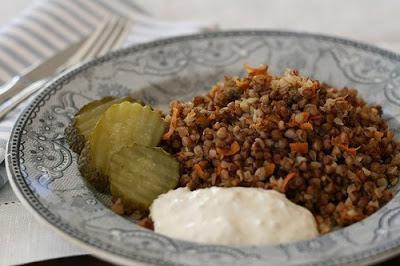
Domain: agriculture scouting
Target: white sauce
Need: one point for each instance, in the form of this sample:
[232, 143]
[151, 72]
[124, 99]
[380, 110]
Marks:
[231, 216]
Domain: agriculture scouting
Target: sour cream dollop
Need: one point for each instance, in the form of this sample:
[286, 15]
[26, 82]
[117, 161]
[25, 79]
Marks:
[231, 216]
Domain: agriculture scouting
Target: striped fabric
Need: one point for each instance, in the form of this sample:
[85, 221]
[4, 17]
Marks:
[50, 26]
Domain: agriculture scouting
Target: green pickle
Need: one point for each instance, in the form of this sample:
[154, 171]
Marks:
[121, 125]
[85, 120]
[138, 174]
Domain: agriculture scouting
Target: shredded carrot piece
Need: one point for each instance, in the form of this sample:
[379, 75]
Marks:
[235, 148]
[255, 77]
[360, 175]
[118, 207]
[269, 169]
[344, 147]
[335, 141]
[172, 124]
[315, 117]
[306, 115]
[146, 223]
[315, 86]
[299, 147]
[244, 84]
[351, 151]
[261, 70]
[214, 90]
[306, 126]
[201, 120]
[298, 119]
[287, 179]
[378, 134]
[302, 117]
[219, 169]
[198, 170]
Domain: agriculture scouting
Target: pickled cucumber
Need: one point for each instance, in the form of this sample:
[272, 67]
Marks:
[85, 120]
[121, 125]
[138, 174]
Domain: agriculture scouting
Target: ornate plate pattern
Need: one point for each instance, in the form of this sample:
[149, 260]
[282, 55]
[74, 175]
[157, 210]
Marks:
[44, 174]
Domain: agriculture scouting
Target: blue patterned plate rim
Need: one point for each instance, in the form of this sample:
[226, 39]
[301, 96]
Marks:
[26, 196]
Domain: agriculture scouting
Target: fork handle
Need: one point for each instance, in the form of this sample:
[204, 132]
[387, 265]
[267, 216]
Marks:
[14, 86]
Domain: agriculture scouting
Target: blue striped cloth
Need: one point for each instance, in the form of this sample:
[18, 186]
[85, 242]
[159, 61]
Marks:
[50, 26]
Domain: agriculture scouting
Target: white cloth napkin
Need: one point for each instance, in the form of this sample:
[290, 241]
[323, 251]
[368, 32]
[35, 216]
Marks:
[25, 240]
[42, 30]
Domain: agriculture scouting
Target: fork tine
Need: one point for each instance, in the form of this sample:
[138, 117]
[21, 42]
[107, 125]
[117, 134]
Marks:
[123, 36]
[89, 44]
[109, 35]
[115, 36]
[101, 40]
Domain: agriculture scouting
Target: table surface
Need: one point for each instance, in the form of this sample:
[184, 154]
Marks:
[303, 15]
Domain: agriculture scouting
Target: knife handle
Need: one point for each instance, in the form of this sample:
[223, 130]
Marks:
[13, 87]
[20, 97]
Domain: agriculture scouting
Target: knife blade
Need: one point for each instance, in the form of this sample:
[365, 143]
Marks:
[37, 72]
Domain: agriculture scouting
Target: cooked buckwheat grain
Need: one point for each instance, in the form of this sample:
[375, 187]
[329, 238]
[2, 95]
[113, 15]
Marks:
[324, 147]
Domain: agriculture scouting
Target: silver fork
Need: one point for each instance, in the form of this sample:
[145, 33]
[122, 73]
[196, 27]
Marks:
[108, 36]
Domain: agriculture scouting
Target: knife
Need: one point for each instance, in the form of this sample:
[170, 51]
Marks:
[37, 72]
